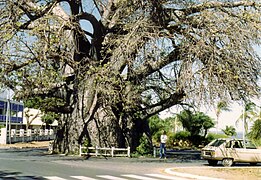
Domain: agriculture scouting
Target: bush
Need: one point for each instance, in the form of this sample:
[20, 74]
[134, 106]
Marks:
[182, 135]
[145, 146]
[181, 139]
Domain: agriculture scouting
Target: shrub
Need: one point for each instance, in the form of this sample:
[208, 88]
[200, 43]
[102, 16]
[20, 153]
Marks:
[145, 146]
[182, 135]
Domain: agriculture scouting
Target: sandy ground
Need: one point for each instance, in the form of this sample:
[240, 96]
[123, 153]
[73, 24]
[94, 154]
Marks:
[33, 144]
[231, 173]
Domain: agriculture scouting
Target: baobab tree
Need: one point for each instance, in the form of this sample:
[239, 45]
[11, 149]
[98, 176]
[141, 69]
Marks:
[106, 66]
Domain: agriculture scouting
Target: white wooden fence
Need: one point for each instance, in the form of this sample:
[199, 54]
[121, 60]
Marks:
[25, 136]
[103, 151]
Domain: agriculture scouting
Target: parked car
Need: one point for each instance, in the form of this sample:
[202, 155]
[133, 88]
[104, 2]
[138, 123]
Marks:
[231, 151]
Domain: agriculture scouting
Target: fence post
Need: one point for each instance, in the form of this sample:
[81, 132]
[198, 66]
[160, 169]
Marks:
[3, 136]
[128, 151]
[21, 134]
[154, 151]
[80, 150]
[96, 151]
[112, 151]
[13, 135]
[29, 135]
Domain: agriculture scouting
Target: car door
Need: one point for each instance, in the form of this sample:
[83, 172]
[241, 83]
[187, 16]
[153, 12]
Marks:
[235, 151]
[246, 153]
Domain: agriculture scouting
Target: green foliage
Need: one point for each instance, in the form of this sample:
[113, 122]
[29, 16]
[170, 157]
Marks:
[195, 123]
[229, 131]
[157, 125]
[212, 136]
[250, 114]
[255, 133]
[144, 147]
[182, 135]
[222, 106]
[43, 104]
[49, 117]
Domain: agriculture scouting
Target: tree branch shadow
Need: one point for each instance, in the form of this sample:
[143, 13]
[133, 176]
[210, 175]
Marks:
[5, 175]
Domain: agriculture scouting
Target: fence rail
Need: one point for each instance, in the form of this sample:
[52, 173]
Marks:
[22, 135]
[104, 151]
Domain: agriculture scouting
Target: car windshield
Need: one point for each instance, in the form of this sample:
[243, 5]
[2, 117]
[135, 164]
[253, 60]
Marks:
[217, 142]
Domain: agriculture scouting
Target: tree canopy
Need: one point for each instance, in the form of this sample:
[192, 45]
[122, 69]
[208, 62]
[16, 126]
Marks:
[195, 123]
[229, 131]
[111, 64]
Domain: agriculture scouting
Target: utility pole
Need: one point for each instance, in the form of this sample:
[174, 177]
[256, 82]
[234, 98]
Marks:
[244, 119]
[7, 117]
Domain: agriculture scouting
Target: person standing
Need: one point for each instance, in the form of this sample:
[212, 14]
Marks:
[163, 140]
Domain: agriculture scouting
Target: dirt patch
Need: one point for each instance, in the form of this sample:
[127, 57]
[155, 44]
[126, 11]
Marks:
[33, 144]
[231, 173]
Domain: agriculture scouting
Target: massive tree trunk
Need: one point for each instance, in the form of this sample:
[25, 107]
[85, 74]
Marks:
[98, 122]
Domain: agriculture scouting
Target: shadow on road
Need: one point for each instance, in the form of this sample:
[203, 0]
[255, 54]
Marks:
[16, 175]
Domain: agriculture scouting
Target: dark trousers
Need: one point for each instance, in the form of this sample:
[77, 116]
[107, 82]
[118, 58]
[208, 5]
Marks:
[162, 150]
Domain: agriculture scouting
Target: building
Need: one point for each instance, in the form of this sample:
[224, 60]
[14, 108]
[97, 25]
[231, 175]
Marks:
[11, 113]
[20, 124]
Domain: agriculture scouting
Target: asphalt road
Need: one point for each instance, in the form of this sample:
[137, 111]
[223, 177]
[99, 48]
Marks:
[38, 164]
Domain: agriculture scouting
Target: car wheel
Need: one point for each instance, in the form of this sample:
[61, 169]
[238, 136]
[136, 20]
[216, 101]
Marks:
[227, 162]
[212, 162]
[253, 164]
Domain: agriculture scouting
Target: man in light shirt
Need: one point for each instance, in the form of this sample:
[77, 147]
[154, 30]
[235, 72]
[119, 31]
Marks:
[163, 140]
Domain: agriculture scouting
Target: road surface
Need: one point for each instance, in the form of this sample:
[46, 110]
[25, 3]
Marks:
[38, 164]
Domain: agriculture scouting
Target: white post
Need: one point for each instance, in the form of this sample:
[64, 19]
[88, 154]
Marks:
[7, 118]
[46, 132]
[128, 153]
[96, 151]
[244, 124]
[41, 132]
[22, 134]
[29, 134]
[51, 132]
[112, 151]
[3, 136]
[13, 132]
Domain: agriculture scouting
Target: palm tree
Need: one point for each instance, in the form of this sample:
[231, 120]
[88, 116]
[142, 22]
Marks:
[255, 132]
[229, 131]
[248, 115]
[221, 106]
[195, 123]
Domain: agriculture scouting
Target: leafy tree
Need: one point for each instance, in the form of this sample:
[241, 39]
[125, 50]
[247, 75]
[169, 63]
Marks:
[249, 114]
[49, 117]
[255, 132]
[108, 65]
[195, 123]
[157, 125]
[229, 131]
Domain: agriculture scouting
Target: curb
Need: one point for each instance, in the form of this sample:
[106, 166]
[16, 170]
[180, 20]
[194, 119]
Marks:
[191, 176]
